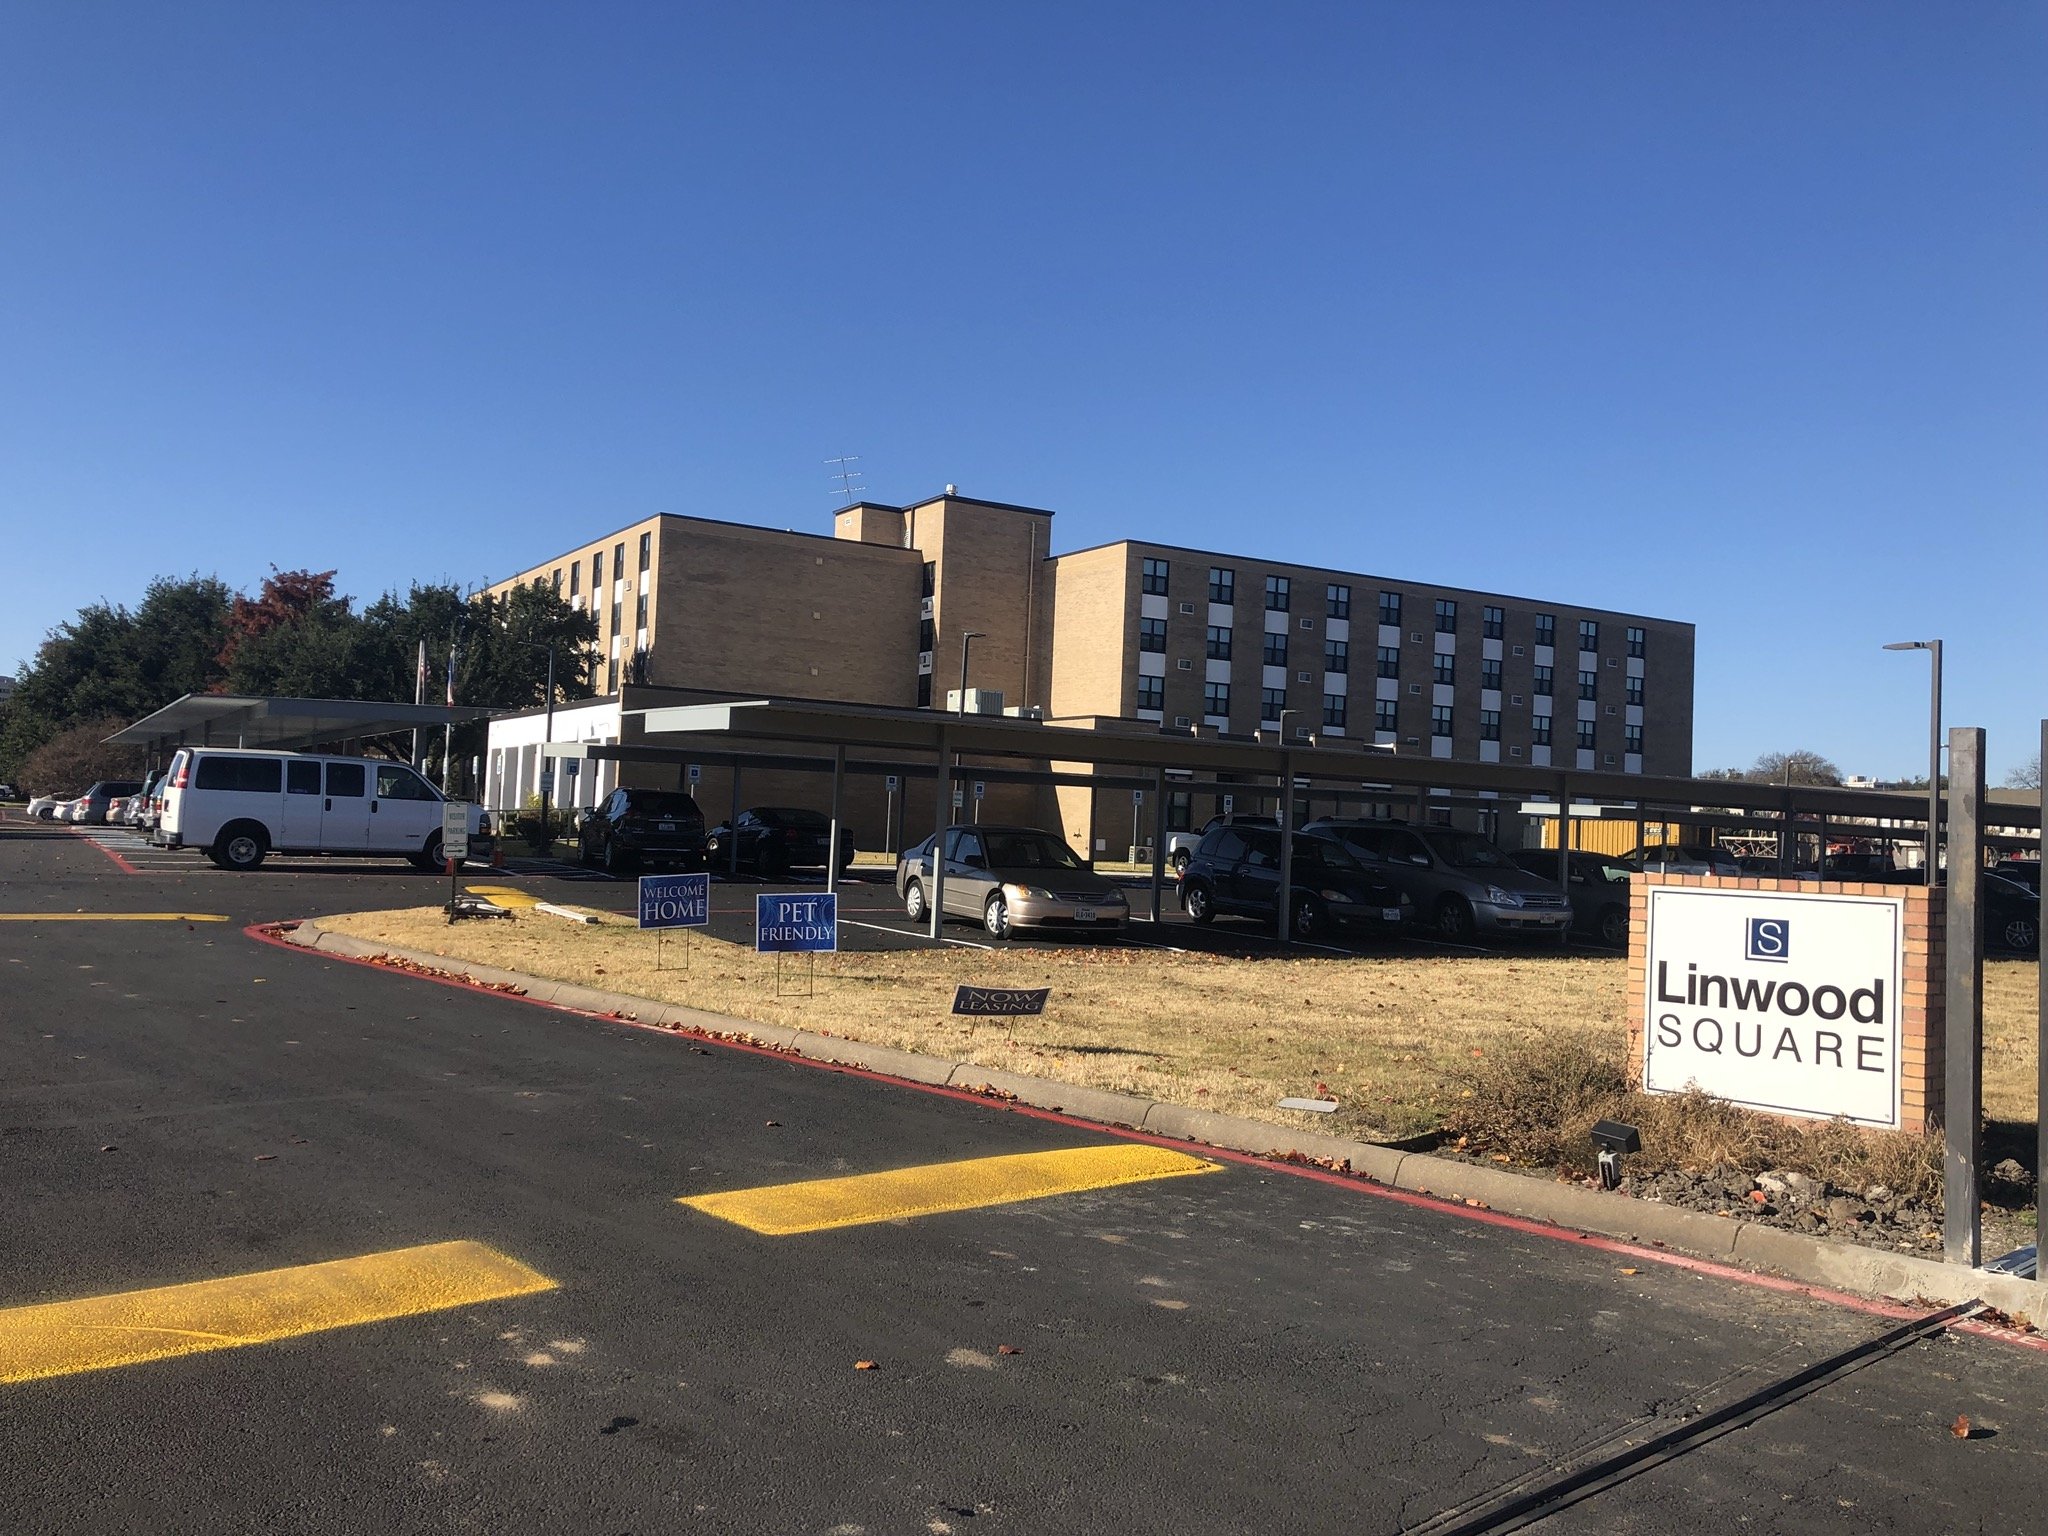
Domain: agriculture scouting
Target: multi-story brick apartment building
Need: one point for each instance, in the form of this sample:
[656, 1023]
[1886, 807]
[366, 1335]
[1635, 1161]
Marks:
[1179, 638]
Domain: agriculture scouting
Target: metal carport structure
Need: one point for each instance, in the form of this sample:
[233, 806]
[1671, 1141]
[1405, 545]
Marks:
[921, 741]
[282, 723]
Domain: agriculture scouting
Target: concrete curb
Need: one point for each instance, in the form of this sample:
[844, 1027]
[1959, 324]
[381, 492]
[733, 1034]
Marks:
[1810, 1260]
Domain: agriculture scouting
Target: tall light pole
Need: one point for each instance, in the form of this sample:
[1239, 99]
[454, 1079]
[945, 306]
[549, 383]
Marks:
[1933, 648]
[547, 780]
[967, 639]
[1286, 912]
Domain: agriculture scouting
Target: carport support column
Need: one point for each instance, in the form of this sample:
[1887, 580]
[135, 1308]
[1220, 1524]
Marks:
[732, 825]
[2041, 1120]
[838, 805]
[1963, 1088]
[1564, 836]
[1285, 915]
[942, 804]
[1158, 838]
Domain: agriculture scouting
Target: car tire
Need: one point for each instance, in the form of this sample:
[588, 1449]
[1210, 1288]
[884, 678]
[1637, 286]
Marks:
[1614, 926]
[1310, 921]
[585, 854]
[1454, 920]
[2021, 935]
[1180, 861]
[914, 906]
[1200, 902]
[614, 861]
[995, 917]
[241, 847]
[429, 856]
[772, 864]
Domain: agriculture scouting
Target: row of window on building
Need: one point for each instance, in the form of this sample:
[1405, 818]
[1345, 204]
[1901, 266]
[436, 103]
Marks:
[1386, 714]
[1155, 577]
[575, 569]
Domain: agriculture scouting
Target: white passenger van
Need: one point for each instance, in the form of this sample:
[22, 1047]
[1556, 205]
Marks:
[239, 806]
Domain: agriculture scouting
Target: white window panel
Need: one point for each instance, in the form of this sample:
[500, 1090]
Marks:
[1219, 671]
[1272, 677]
[1386, 738]
[1445, 644]
[1589, 661]
[1390, 634]
[1539, 757]
[1219, 722]
[1586, 757]
[1151, 664]
[1489, 698]
[1490, 649]
[1540, 705]
[1386, 688]
[1442, 693]
[1439, 746]
[640, 639]
[1278, 623]
[1151, 714]
[1152, 605]
[1631, 762]
[1222, 615]
[615, 647]
[1588, 710]
[1489, 751]
[1543, 655]
[1337, 629]
[1330, 730]
[1632, 714]
[1635, 666]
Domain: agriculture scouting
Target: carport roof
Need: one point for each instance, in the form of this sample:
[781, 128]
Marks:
[919, 731]
[236, 720]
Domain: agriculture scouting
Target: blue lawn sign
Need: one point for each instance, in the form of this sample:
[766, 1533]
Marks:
[796, 923]
[675, 901]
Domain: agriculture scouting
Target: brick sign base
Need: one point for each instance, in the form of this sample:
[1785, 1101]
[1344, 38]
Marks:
[1924, 963]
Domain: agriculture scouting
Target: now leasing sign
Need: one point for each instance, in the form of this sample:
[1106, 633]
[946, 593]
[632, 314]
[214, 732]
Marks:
[1780, 1001]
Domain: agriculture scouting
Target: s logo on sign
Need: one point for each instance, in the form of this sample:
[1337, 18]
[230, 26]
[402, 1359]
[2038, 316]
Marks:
[1770, 938]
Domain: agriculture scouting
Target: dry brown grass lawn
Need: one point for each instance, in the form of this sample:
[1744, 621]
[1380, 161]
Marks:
[1394, 1039]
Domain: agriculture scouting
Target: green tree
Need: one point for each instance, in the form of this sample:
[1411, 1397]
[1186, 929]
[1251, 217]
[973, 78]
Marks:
[1797, 767]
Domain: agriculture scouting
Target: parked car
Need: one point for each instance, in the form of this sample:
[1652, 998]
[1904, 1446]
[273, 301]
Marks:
[1684, 859]
[1236, 868]
[633, 828]
[9, 792]
[774, 839]
[240, 806]
[42, 808]
[2012, 917]
[90, 809]
[1461, 883]
[1180, 846]
[1009, 878]
[1598, 889]
[2025, 872]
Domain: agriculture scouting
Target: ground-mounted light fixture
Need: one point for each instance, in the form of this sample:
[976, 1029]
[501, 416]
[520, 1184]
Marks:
[1613, 1138]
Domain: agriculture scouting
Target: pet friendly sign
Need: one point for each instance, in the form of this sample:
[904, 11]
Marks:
[1786, 1002]
[796, 924]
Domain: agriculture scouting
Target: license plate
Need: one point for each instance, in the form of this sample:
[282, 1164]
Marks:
[1391, 914]
[1084, 914]
[668, 826]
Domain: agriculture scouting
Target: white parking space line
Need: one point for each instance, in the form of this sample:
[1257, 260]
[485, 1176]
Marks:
[913, 933]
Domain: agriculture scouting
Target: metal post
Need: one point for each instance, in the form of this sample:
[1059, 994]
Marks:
[942, 808]
[1963, 1089]
[732, 826]
[2041, 1087]
[1286, 913]
[967, 638]
[1564, 833]
[547, 783]
[1158, 838]
[1934, 771]
[832, 843]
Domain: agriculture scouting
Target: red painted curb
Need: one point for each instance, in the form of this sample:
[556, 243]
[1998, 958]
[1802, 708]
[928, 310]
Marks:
[1357, 1183]
[126, 867]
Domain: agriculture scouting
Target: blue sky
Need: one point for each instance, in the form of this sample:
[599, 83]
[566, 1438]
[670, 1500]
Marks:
[1725, 313]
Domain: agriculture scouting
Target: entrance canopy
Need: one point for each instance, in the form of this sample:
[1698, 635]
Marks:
[285, 724]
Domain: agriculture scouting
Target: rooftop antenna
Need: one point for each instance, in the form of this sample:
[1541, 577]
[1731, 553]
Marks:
[848, 477]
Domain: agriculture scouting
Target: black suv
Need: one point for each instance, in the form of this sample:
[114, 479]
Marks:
[634, 827]
[1236, 868]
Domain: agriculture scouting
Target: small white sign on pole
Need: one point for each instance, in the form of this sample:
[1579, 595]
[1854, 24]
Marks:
[455, 829]
[1777, 1000]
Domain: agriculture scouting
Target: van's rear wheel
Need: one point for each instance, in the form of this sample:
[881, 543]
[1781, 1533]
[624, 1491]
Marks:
[429, 856]
[241, 846]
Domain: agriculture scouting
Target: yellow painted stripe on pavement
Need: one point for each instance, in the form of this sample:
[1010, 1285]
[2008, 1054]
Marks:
[63, 1338]
[778, 1210]
[112, 917]
[504, 895]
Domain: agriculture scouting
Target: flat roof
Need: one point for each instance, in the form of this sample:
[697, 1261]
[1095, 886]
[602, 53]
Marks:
[1325, 759]
[243, 720]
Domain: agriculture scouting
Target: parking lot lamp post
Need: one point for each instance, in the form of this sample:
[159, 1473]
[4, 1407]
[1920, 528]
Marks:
[1286, 913]
[1933, 648]
[547, 773]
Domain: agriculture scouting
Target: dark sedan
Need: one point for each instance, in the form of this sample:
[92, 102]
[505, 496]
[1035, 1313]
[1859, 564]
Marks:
[771, 840]
[1237, 869]
[1598, 891]
[638, 827]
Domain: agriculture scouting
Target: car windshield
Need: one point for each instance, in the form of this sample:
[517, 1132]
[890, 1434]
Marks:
[815, 821]
[1324, 856]
[1468, 850]
[654, 802]
[1028, 850]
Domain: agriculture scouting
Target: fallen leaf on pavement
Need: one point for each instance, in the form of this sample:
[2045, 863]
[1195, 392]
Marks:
[110, 1149]
[1961, 1428]
[1631, 1271]
[1008, 1349]
[865, 1365]
[771, 1122]
[267, 1157]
